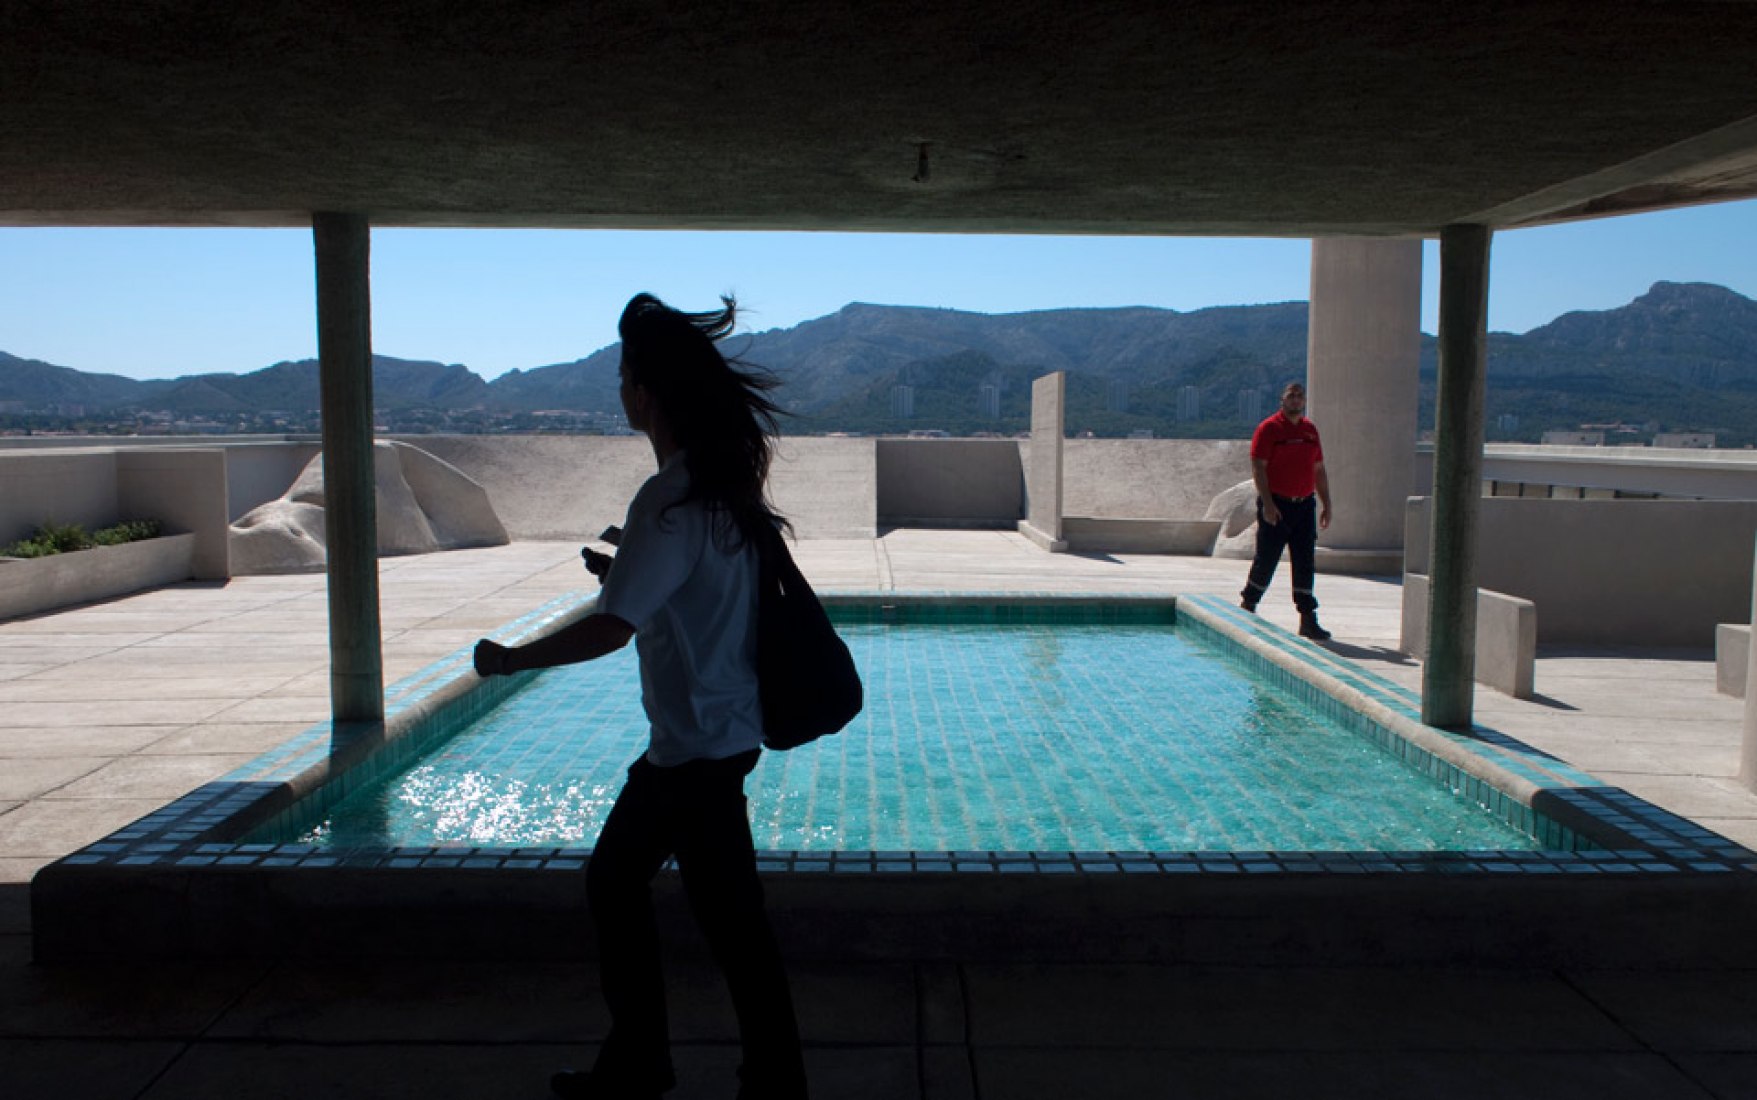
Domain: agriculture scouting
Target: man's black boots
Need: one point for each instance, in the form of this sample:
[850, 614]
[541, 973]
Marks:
[1309, 628]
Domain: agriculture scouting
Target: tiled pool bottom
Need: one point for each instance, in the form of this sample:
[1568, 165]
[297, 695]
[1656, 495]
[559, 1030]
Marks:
[1015, 728]
[181, 881]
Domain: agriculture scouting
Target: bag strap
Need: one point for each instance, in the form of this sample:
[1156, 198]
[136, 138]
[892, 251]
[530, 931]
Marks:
[777, 571]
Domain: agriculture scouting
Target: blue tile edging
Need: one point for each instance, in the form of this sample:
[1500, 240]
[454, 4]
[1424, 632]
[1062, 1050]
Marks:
[1540, 794]
[326, 762]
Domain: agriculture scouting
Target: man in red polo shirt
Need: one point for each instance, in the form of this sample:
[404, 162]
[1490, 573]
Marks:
[1293, 504]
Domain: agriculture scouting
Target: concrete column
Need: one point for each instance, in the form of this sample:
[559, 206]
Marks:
[1447, 679]
[1043, 466]
[1363, 349]
[1748, 747]
[344, 348]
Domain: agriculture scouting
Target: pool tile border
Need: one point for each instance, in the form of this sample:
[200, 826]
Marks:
[1586, 827]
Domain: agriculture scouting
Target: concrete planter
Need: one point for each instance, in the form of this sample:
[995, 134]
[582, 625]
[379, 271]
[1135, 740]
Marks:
[29, 586]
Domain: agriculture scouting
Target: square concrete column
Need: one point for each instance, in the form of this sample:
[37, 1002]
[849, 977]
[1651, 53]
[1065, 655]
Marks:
[344, 348]
[1448, 677]
[1748, 749]
[1363, 354]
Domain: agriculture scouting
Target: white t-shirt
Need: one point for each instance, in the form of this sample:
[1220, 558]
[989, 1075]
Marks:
[693, 607]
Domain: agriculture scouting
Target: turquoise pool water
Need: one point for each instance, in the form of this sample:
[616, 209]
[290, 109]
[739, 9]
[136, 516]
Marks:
[1022, 736]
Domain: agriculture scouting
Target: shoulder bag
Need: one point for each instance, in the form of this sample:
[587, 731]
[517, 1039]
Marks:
[805, 673]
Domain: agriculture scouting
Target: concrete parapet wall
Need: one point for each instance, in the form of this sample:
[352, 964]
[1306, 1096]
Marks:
[1150, 478]
[827, 487]
[1679, 472]
[1506, 636]
[1612, 572]
[573, 486]
[1675, 472]
[949, 482]
[59, 487]
[257, 473]
[549, 486]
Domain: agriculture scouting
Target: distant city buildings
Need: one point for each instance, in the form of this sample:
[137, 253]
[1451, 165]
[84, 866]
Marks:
[1117, 399]
[1573, 439]
[1618, 428]
[1189, 404]
[1507, 422]
[902, 402]
[1688, 440]
[1250, 405]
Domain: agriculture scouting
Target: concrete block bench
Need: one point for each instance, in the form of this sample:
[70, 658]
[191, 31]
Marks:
[1732, 648]
[1506, 636]
[1140, 536]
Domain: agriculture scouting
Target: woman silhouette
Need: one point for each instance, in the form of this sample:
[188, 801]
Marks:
[684, 586]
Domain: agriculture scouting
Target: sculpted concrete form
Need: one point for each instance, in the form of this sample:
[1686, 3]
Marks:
[1236, 509]
[423, 504]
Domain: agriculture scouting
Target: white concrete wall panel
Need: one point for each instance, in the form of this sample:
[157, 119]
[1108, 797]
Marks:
[186, 491]
[1043, 459]
[827, 487]
[1150, 478]
[549, 486]
[950, 482]
[59, 487]
[572, 487]
[1614, 572]
[257, 473]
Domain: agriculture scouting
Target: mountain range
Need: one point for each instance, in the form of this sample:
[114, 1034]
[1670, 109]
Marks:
[1682, 356]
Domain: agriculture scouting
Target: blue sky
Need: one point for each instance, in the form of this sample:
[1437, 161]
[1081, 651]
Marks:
[154, 303]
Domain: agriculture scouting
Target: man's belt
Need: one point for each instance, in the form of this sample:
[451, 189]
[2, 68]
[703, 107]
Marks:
[1293, 500]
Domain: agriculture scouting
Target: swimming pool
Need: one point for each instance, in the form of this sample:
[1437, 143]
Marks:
[206, 875]
[1011, 727]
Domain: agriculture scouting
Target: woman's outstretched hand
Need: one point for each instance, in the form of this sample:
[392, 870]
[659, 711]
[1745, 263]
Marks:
[491, 659]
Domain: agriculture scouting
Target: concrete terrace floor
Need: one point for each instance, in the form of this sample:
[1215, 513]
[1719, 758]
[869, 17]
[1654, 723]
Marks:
[111, 710]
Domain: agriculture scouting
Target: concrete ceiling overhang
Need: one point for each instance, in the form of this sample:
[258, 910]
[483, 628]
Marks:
[1366, 117]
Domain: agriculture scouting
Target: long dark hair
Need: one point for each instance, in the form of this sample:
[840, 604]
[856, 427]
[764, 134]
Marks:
[717, 407]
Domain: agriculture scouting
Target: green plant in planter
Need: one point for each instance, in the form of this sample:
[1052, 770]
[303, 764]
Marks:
[61, 538]
[133, 530]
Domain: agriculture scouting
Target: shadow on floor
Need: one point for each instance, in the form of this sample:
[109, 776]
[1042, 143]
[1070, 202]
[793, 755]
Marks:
[1552, 703]
[1556, 650]
[1376, 653]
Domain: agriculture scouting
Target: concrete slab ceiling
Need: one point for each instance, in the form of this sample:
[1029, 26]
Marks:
[1349, 117]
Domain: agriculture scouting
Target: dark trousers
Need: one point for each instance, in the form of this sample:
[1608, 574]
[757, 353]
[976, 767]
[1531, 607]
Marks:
[1297, 533]
[696, 812]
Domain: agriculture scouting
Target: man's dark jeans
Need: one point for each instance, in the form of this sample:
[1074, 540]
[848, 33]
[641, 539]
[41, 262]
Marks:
[696, 812]
[1297, 533]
